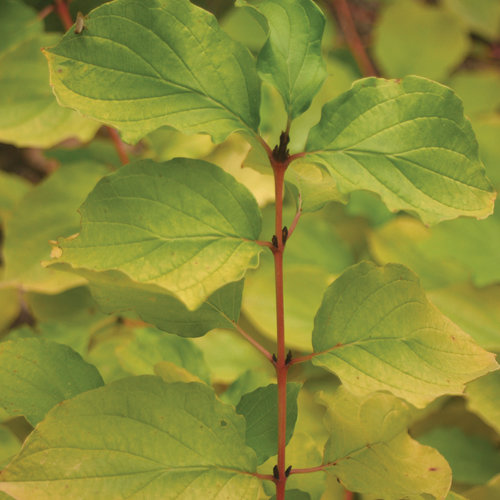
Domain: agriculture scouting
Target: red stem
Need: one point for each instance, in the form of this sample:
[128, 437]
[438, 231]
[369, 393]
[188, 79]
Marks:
[344, 17]
[307, 357]
[348, 495]
[119, 145]
[64, 14]
[295, 221]
[308, 470]
[280, 365]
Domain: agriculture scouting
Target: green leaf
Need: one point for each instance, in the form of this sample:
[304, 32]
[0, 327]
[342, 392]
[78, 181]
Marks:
[115, 292]
[473, 459]
[228, 355]
[36, 375]
[311, 186]
[155, 440]
[184, 225]
[485, 492]
[377, 331]
[475, 310]
[261, 414]
[9, 446]
[18, 22]
[487, 130]
[408, 141]
[149, 347]
[12, 190]
[30, 114]
[444, 247]
[245, 383]
[291, 58]
[455, 496]
[370, 451]
[405, 240]
[478, 89]
[412, 38]
[47, 211]
[10, 305]
[170, 372]
[482, 399]
[139, 66]
[481, 17]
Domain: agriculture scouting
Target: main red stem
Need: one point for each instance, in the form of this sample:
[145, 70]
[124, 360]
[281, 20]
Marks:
[280, 365]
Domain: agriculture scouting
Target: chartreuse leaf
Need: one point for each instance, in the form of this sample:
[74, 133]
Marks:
[115, 292]
[155, 440]
[228, 356]
[412, 38]
[370, 451]
[47, 211]
[184, 225]
[486, 492]
[473, 459]
[12, 190]
[377, 331]
[10, 305]
[9, 446]
[260, 410]
[149, 347]
[482, 399]
[481, 17]
[409, 242]
[141, 65]
[30, 114]
[291, 58]
[19, 22]
[36, 375]
[475, 310]
[409, 142]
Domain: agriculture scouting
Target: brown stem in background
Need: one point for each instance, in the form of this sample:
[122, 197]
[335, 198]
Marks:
[45, 12]
[341, 10]
[119, 145]
[64, 14]
[348, 495]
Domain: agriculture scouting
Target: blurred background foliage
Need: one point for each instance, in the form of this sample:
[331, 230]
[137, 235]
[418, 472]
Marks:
[51, 157]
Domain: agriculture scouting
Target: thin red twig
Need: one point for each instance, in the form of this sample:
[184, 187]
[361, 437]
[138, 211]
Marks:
[344, 17]
[293, 225]
[307, 357]
[119, 145]
[267, 244]
[45, 11]
[308, 470]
